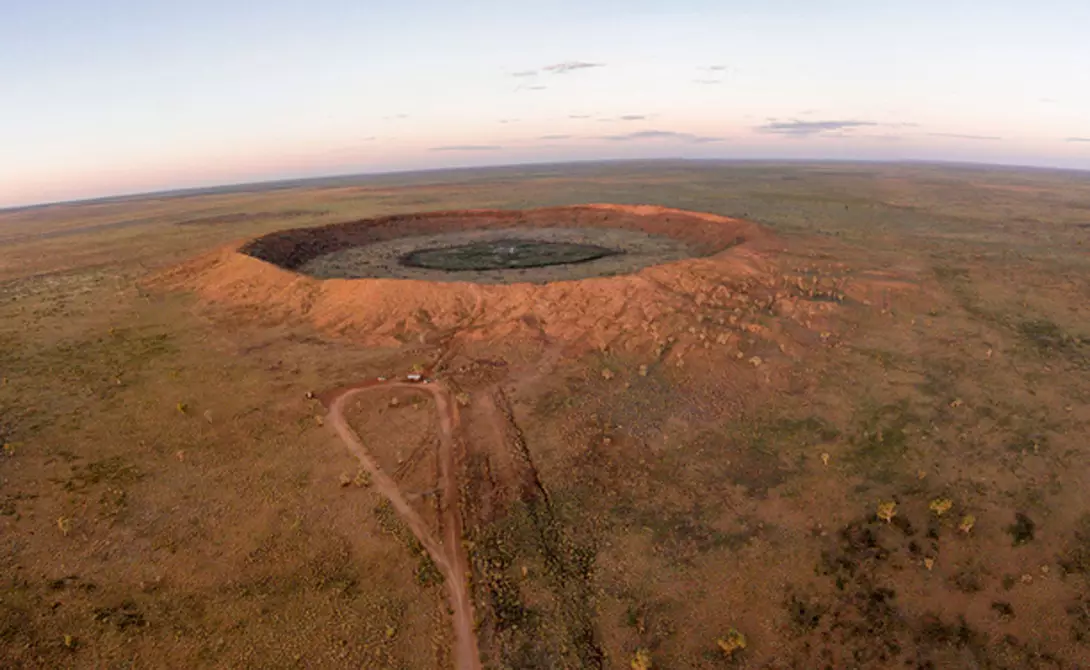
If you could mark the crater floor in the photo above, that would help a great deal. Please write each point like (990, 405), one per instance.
(617, 251)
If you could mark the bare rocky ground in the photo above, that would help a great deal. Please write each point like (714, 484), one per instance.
(902, 486)
(638, 250)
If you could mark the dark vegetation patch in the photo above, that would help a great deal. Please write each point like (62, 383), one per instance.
(559, 631)
(755, 460)
(504, 254)
(969, 579)
(241, 217)
(805, 612)
(1079, 613)
(757, 454)
(1022, 530)
(114, 471)
(650, 620)
(122, 616)
(1076, 556)
(425, 571)
(881, 439)
(680, 535)
(102, 358)
(1049, 338)
(862, 625)
(1004, 609)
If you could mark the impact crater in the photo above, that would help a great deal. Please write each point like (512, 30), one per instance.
(593, 273)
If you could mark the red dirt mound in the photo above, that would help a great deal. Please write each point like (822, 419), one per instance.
(255, 279)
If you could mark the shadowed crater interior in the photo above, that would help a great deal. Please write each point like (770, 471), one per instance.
(503, 254)
(535, 246)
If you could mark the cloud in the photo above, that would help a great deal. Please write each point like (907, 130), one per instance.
(717, 68)
(510, 120)
(961, 136)
(537, 88)
(1078, 139)
(802, 128)
(555, 137)
(625, 117)
(578, 116)
(570, 66)
(661, 135)
(398, 117)
(468, 147)
(525, 73)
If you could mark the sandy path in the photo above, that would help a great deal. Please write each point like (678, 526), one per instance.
(448, 554)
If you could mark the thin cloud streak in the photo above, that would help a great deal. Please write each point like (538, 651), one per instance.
(798, 128)
(570, 66)
(1078, 139)
(525, 73)
(960, 136)
(555, 137)
(468, 147)
(661, 135)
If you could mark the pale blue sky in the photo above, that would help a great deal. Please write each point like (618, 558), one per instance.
(101, 97)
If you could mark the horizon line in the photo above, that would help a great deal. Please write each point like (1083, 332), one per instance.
(293, 182)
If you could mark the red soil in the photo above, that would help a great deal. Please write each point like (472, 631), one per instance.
(255, 278)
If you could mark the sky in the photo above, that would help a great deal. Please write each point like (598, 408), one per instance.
(110, 97)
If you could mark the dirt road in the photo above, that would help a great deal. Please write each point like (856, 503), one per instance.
(447, 553)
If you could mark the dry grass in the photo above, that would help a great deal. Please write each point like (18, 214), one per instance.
(680, 497)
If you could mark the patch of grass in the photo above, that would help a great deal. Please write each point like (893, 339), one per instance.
(1022, 530)
(493, 558)
(969, 579)
(1004, 609)
(533, 532)
(1048, 337)
(1027, 441)
(1076, 556)
(946, 273)
(1079, 612)
(553, 403)
(881, 438)
(679, 534)
(889, 360)
(754, 453)
(941, 375)
(805, 613)
(114, 471)
(123, 616)
(426, 573)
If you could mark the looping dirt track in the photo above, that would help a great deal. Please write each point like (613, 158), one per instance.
(448, 554)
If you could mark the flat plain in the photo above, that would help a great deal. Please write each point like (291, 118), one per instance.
(905, 488)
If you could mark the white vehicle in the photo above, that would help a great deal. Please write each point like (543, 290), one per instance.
(414, 377)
